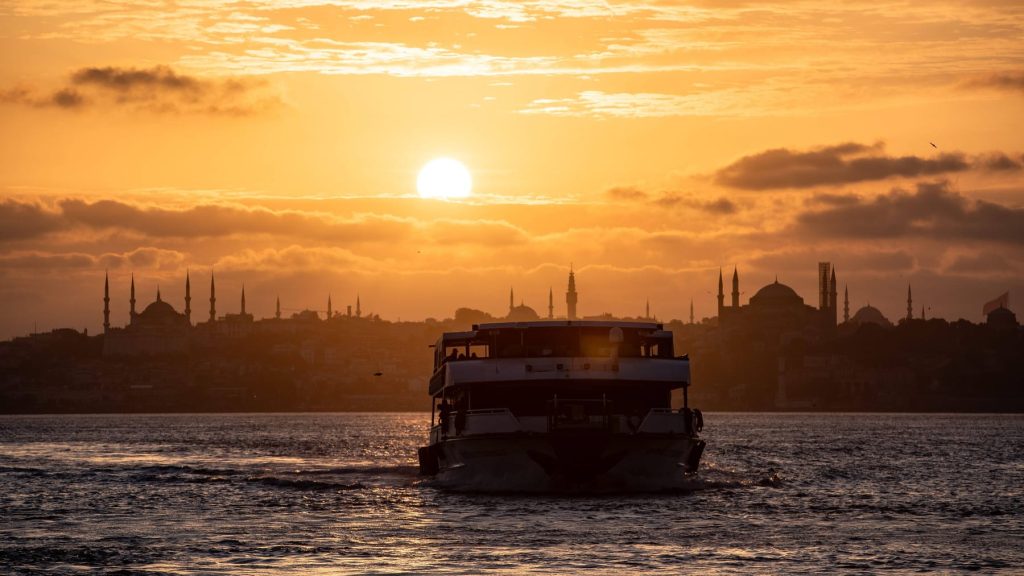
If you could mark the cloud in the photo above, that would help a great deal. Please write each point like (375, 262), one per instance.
(597, 104)
(1008, 81)
(212, 220)
(833, 199)
(997, 162)
(146, 257)
(859, 261)
(832, 165)
(23, 220)
(721, 205)
(43, 261)
(297, 259)
(46, 261)
(626, 193)
(932, 211)
(64, 98)
(159, 89)
(980, 263)
(487, 232)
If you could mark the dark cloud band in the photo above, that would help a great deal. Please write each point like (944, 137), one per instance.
(159, 89)
(932, 211)
(834, 165)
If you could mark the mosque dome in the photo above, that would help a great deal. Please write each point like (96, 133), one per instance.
(159, 312)
(522, 313)
(870, 315)
(776, 294)
(1002, 317)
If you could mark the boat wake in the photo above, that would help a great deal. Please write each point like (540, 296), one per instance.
(710, 477)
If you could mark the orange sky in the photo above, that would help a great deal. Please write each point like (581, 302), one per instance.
(649, 143)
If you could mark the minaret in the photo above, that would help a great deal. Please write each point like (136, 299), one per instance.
(721, 293)
(277, 311)
(551, 303)
(158, 299)
(735, 288)
(647, 309)
(213, 299)
(511, 301)
(132, 314)
(846, 303)
(330, 310)
(691, 310)
(106, 303)
(570, 295)
(188, 299)
(359, 308)
(833, 302)
(910, 305)
(243, 300)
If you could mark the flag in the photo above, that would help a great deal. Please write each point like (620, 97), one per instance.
(1003, 301)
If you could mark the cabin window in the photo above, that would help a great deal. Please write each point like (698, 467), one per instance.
(464, 351)
(560, 342)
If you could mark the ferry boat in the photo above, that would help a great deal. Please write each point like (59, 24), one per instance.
(561, 405)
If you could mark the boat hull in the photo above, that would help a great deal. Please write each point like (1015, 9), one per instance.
(584, 462)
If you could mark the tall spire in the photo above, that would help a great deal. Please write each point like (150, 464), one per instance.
(570, 295)
(243, 299)
(330, 309)
(132, 314)
(511, 300)
(721, 293)
(647, 309)
(910, 304)
(833, 303)
(691, 310)
(551, 303)
(158, 293)
(735, 288)
(277, 310)
(106, 302)
(213, 299)
(188, 298)
(359, 307)
(846, 303)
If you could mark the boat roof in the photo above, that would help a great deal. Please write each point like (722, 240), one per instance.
(568, 323)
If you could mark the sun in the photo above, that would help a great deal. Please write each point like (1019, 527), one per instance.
(444, 178)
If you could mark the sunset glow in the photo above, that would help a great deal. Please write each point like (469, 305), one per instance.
(649, 143)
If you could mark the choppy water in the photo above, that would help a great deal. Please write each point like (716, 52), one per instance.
(336, 493)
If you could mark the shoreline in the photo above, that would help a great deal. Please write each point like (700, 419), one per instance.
(319, 412)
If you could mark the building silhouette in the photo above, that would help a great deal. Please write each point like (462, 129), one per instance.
(158, 330)
(776, 308)
(570, 295)
(520, 313)
(870, 315)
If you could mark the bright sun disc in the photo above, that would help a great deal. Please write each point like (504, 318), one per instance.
(444, 178)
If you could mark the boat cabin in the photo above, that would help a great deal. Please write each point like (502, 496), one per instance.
(563, 339)
(564, 373)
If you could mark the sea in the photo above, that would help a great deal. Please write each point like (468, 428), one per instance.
(340, 494)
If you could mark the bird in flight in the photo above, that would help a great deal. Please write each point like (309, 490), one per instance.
(933, 144)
